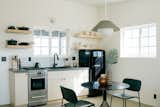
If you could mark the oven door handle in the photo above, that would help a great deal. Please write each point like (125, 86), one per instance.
(39, 97)
(42, 77)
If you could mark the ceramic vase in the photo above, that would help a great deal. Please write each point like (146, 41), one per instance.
(103, 79)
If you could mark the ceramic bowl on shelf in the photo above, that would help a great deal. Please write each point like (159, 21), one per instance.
(11, 42)
(23, 28)
(12, 27)
(24, 43)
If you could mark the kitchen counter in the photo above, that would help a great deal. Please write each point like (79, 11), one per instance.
(49, 69)
(18, 71)
(70, 68)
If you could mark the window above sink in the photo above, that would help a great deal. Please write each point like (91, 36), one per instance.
(48, 41)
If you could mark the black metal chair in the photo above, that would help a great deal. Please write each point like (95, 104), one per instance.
(134, 85)
(71, 97)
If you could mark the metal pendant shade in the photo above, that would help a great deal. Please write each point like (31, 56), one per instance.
(106, 24)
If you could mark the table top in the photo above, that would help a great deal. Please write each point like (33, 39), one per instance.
(112, 86)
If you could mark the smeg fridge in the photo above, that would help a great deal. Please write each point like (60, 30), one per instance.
(95, 60)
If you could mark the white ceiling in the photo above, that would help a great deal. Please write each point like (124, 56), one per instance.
(100, 2)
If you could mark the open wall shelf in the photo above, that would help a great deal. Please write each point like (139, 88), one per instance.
(18, 31)
(19, 46)
(89, 35)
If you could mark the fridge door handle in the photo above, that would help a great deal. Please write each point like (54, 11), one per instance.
(97, 65)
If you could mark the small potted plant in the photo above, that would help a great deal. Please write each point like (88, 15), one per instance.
(111, 58)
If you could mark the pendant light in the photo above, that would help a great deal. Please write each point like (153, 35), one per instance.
(106, 27)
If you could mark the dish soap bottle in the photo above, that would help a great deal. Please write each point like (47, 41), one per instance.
(74, 62)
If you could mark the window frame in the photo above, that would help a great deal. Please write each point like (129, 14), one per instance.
(139, 55)
(50, 30)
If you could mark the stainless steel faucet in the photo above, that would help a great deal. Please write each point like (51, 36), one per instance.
(54, 59)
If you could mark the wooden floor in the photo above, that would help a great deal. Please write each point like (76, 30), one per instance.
(97, 101)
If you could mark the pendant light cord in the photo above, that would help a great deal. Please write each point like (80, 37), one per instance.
(105, 9)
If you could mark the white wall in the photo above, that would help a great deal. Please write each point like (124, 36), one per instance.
(70, 15)
(134, 13)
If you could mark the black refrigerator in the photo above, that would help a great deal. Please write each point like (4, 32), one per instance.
(95, 60)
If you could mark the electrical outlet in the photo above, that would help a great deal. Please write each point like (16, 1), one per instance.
(155, 96)
(3, 59)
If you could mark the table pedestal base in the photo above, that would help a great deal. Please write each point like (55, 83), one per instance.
(104, 104)
(113, 86)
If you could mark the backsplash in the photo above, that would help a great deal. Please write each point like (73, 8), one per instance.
(44, 61)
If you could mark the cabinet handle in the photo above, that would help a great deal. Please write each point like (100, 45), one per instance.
(63, 79)
(39, 97)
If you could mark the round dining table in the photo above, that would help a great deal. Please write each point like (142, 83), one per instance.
(111, 86)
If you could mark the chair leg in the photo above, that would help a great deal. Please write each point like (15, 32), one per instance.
(139, 103)
(125, 103)
(139, 99)
(111, 101)
(62, 103)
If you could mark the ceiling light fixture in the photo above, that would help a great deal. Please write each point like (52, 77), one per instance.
(106, 27)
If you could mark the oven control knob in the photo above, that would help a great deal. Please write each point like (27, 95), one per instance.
(39, 73)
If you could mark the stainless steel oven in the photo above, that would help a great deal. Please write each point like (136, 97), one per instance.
(37, 87)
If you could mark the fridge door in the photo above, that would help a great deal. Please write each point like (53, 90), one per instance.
(96, 69)
(98, 64)
(95, 60)
(84, 58)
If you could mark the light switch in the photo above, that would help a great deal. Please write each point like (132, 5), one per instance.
(29, 59)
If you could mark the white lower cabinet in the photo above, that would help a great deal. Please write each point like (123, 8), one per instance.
(18, 88)
(70, 79)
(53, 85)
(80, 77)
